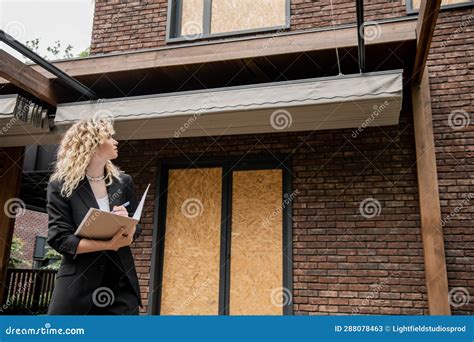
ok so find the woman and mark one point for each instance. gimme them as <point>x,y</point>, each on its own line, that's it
<point>95,276</point>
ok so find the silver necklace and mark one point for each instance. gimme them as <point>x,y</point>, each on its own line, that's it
<point>95,179</point>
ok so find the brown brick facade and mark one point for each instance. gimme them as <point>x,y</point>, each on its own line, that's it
<point>451,64</point>
<point>27,227</point>
<point>343,262</point>
<point>132,25</point>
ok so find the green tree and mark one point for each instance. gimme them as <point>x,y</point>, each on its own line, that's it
<point>16,255</point>
<point>55,258</point>
<point>56,51</point>
<point>85,53</point>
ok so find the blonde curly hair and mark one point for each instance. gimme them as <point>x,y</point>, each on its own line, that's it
<point>78,145</point>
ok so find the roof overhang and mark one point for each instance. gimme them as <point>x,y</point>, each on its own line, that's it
<point>352,101</point>
<point>21,116</point>
<point>91,69</point>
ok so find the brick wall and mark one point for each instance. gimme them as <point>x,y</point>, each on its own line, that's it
<point>451,64</point>
<point>132,25</point>
<point>27,227</point>
<point>123,26</point>
<point>343,262</point>
<point>316,14</point>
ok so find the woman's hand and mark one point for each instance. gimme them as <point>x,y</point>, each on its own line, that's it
<point>120,239</point>
<point>120,210</point>
<point>130,231</point>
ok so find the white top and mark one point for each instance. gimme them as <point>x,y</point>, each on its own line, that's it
<point>103,203</point>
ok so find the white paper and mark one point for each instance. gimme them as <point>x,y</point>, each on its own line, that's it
<point>138,212</point>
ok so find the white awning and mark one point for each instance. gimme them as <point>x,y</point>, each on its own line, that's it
<point>20,116</point>
<point>352,101</point>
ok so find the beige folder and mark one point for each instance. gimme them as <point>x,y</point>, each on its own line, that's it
<point>103,225</point>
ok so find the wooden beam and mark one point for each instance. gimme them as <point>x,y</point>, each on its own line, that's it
<point>425,27</point>
<point>430,211</point>
<point>11,161</point>
<point>250,64</point>
<point>234,49</point>
<point>26,78</point>
<point>53,137</point>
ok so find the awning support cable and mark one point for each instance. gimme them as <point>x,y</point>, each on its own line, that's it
<point>335,40</point>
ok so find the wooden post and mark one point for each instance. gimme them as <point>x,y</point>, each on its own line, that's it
<point>37,287</point>
<point>430,211</point>
<point>11,164</point>
<point>426,24</point>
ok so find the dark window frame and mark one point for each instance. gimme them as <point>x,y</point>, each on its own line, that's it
<point>45,245</point>
<point>228,164</point>
<point>173,24</point>
<point>411,10</point>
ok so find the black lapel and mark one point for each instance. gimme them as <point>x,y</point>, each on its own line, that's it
<point>114,191</point>
<point>85,193</point>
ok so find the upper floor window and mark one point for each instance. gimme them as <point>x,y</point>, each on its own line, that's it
<point>195,19</point>
<point>414,5</point>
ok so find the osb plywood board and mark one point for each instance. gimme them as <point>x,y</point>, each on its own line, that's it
<point>256,247</point>
<point>235,15</point>
<point>192,242</point>
<point>191,19</point>
<point>416,3</point>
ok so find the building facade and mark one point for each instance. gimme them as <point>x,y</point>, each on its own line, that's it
<point>317,221</point>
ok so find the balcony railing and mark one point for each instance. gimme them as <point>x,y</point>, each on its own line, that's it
<point>28,291</point>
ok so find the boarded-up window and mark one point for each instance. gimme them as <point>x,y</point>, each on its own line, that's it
<point>239,15</point>
<point>416,3</point>
<point>192,243</point>
<point>194,19</point>
<point>256,244</point>
<point>224,245</point>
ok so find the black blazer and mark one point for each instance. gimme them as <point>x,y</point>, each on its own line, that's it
<point>81,274</point>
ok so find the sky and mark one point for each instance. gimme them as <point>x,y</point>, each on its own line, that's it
<point>69,21</point>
